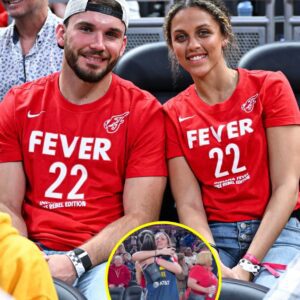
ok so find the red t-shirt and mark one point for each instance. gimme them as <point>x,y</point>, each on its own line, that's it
<point>204,277</point>
<point>77,157</point>
<point>225,144</point>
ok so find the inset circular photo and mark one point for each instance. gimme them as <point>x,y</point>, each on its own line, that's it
<point>163,261</point>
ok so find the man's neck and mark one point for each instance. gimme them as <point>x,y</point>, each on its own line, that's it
<point>28,27</point>
<point>79,92</point>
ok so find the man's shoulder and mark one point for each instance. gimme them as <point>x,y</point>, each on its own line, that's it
<point>6,32</point>
<point>133,91</point>
<point>36,86</point>
<point>53,18</point>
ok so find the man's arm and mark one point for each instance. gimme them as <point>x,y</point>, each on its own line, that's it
<point>142,200</point>
<point>12,191</point>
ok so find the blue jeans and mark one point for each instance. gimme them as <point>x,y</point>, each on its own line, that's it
<point>92,283</point>
<point>233,240</point>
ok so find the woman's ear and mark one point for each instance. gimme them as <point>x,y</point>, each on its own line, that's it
<point>225,43</point>
<point>60,35</point>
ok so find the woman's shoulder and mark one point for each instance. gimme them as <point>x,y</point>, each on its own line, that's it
<point>260,75</point>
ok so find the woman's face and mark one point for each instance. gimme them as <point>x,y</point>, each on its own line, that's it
<point>197,41</point>
<point>161,241</point>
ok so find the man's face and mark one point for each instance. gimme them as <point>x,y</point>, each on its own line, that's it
<point>21,8</point>
<point>93,43</point>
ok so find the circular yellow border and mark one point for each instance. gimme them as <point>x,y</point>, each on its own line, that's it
<point>212,250</point>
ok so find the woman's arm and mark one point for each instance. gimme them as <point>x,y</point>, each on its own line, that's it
<point>142,255</point>
<point>187,195</point>
<point>284,164</point>
<point>173,267</point>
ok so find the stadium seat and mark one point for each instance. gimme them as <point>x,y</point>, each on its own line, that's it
<point>117,293</point>
<point>233,289</point>
<point>133,292</point>
<point>148,67</point>
<point>278,56</point>
<point>67,292</point>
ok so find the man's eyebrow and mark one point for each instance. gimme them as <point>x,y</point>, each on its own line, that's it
<point>85,24</point>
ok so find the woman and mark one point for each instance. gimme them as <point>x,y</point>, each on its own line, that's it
<point>233,176</point>
<point>202,282</point>
<point>164,256</point>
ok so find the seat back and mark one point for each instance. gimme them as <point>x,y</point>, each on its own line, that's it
<point>67,292</point>
<point>233,289</point>
<point>149,68</point>
<point>117,293</point>
<point>278,56</point>
<point>133,292</point>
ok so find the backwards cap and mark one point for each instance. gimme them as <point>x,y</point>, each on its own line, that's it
<point>78,6</point>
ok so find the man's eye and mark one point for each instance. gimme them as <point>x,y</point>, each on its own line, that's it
<point>85,29</point>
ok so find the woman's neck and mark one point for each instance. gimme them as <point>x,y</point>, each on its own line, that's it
<point>217,86</point>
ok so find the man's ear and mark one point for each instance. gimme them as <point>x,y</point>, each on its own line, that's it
<point>123,46</point>
<point>60,35</point>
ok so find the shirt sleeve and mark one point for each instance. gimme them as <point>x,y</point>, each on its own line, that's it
<point>146,141</point>
<point>172,140</point>
<point>279,103</point>
<point>9,138</point>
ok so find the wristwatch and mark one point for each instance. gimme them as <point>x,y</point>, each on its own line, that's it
<point>81,261</point>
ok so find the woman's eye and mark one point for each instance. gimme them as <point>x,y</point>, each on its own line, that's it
<point>203,33</point>
<point>180,38</point>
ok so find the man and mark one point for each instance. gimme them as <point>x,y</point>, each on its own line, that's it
<point>28,47</point>
<point>24,274</point>
<point>82,151</point>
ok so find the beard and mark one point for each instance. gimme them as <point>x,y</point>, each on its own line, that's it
<point>91,76</point>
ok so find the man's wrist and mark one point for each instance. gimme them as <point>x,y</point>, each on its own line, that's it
<point>80,260</point>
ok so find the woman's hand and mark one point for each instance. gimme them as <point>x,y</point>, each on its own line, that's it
<point>227,272</point>
<point>241,274</point>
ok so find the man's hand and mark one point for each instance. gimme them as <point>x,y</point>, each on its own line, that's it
<point>61,267</point>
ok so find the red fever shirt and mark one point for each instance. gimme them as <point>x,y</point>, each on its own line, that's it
<point>225,144</point>
<point>77,157</point>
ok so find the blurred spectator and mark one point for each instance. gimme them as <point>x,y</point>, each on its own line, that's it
<point>189,258</point>
<point>129,263</point>
<point>3,16</point>
<point>202,281</point>
<point>58,8</point>
<point>121,250</point>
<point>182,277</point>
<point>134,9</point>
<point>118,274</point>
<point>24,273</point>
<point>28,47</point>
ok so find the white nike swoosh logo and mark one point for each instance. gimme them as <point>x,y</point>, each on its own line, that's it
<point>30,115</point>
<point>180,119</point>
